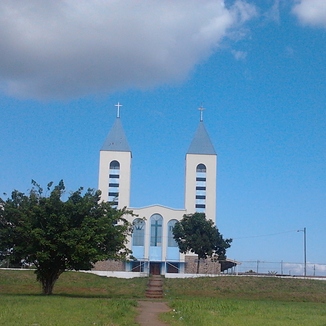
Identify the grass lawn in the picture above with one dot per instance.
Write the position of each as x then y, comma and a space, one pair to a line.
39, 310
78, 299
246, 301
86, 299
230, 312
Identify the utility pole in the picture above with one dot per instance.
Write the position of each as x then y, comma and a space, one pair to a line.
304, 251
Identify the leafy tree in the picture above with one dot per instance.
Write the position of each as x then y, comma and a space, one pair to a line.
57, 235
196, 234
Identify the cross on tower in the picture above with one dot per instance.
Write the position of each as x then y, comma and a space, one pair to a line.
201, 109
118, 110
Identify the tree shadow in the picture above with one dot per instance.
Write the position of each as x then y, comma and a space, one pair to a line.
75, 295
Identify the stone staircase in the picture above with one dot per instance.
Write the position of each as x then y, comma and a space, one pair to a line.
154, 287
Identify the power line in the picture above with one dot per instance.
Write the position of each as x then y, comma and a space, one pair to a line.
264, 235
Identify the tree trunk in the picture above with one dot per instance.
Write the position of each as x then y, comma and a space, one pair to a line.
198, 262
48, 280
47, 285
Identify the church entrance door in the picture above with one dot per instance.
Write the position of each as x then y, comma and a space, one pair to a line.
155, 268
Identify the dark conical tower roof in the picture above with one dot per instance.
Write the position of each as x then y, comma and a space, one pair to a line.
201, 143
116, 140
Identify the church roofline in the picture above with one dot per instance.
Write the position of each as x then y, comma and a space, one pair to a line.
116, 139
201, 143
160, 206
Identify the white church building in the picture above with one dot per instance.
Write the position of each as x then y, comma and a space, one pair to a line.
152, 242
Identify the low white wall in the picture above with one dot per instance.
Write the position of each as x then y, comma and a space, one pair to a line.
182, 275
174, 275
117, 274
139, 274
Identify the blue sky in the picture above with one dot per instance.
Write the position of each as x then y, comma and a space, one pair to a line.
258, 68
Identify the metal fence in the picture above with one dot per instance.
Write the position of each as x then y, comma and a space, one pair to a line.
278, 268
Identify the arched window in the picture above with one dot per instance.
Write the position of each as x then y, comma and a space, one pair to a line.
114, 176
114, 165
156, 230
200, 187
201, 168
138, 233
171, 241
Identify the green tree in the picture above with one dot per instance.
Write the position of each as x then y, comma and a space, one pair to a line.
57, 235
196, 234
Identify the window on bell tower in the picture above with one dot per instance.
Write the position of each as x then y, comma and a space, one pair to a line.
114, 177
200, 188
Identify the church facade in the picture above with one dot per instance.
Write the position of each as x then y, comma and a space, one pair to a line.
152, 242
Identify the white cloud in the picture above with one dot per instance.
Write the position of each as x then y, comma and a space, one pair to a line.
311, 12
273, 14
293, 269
243, 11
239, 55
298, 269
289, 51
69, 48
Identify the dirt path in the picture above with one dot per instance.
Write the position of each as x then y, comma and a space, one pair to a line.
149, 311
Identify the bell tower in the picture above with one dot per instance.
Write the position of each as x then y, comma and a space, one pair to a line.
200, 180
115, 166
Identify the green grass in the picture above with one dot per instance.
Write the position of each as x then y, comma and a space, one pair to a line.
252, 288
246, 301
58, 310
86, 299
73, 284
230, 312
78, 299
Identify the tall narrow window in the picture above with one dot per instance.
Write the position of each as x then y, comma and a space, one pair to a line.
200, 188
138, 233
171, 241
156, 230
114, 177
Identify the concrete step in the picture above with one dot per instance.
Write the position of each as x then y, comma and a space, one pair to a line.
155, 287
